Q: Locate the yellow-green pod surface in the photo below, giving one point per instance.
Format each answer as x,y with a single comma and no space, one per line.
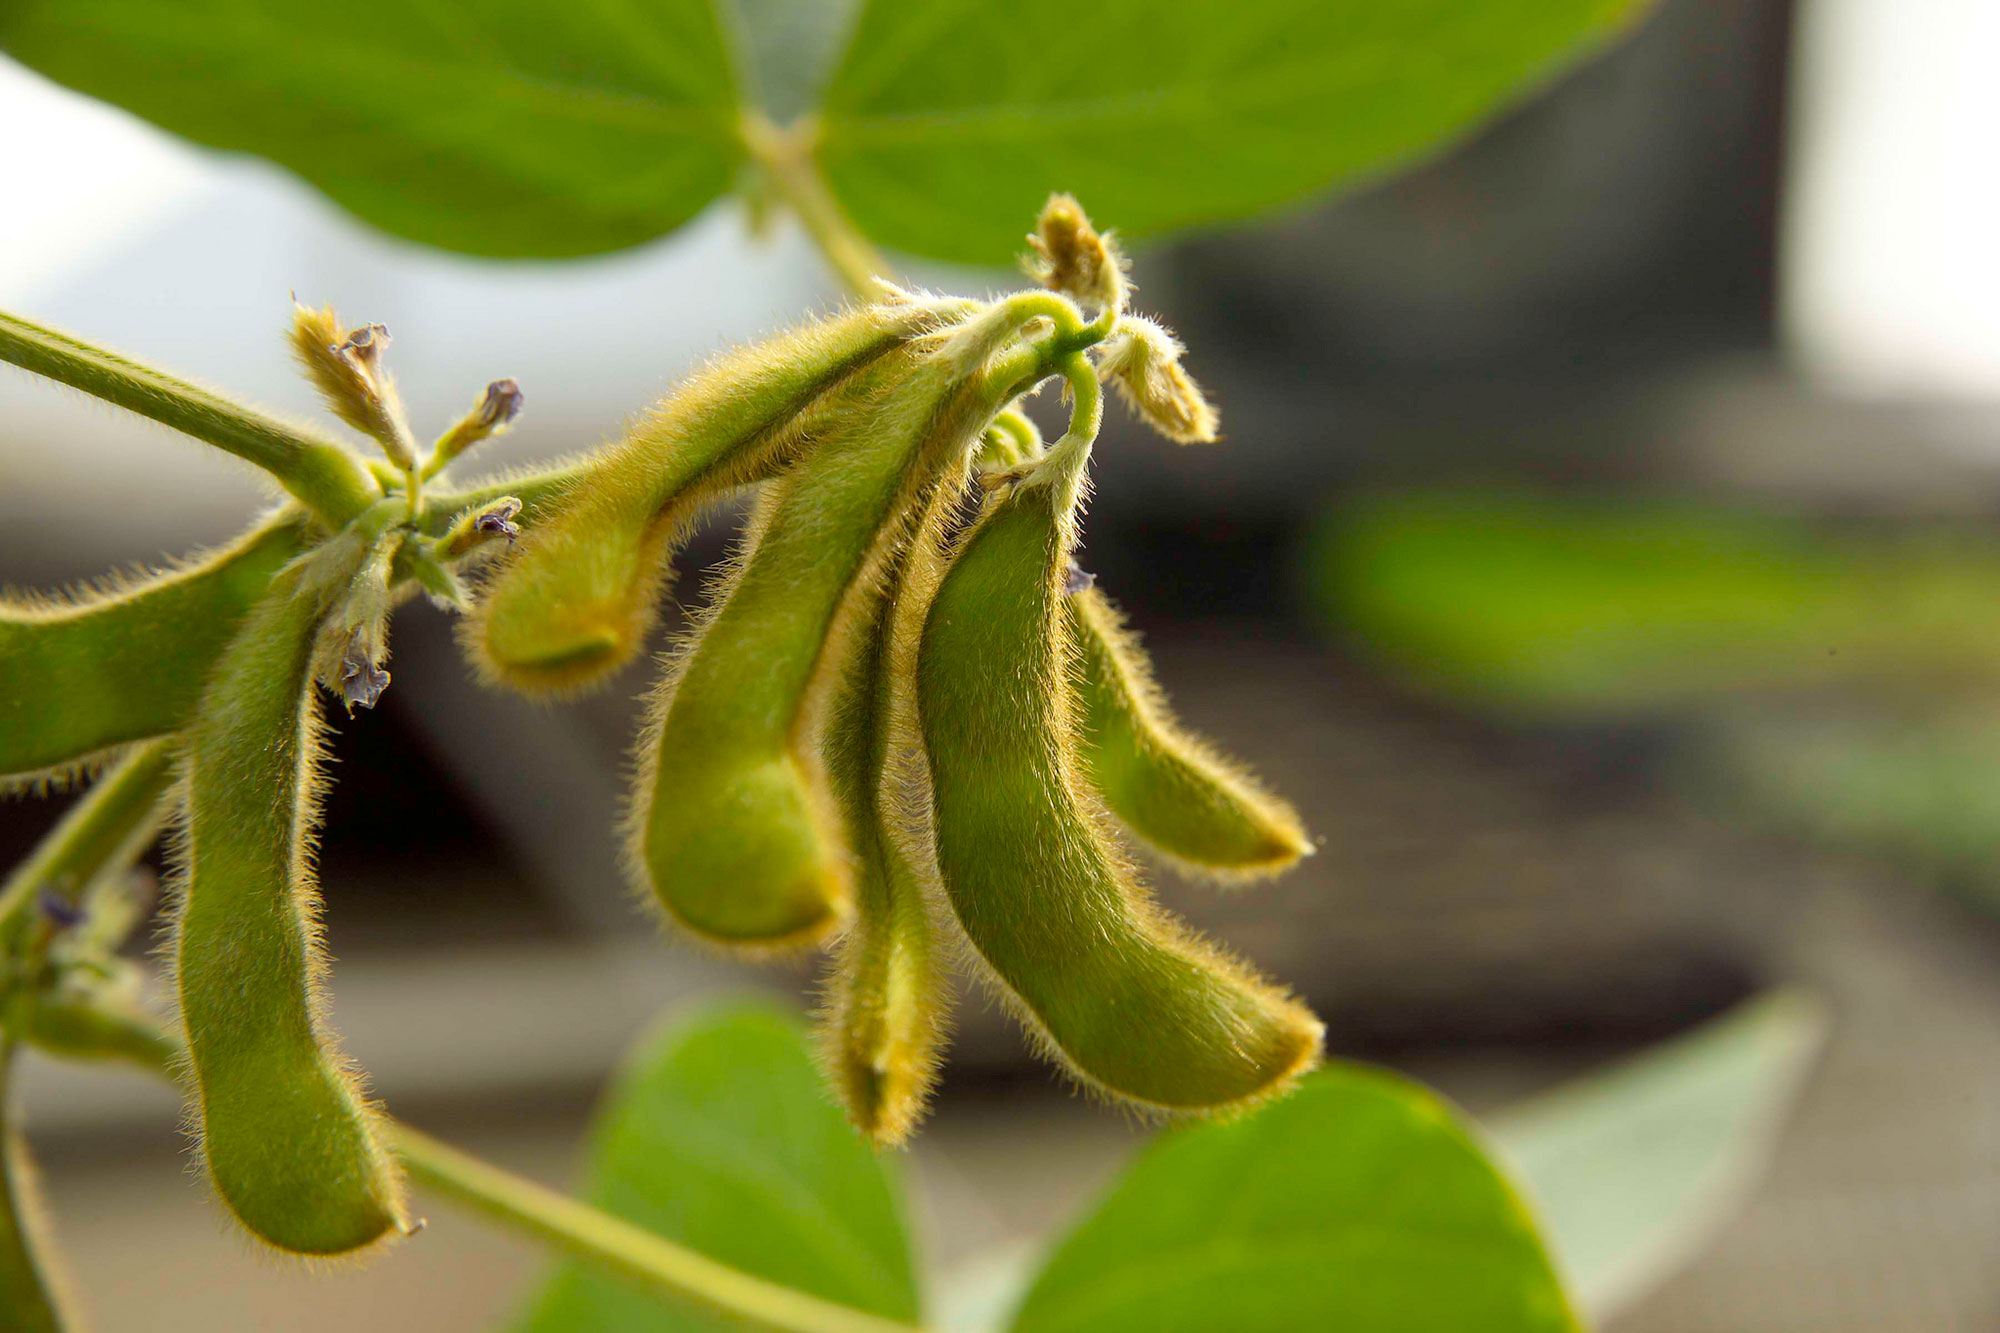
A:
732,825
883,1031
574,600
80,675
34,1294
1166,786
286,1134
1125,996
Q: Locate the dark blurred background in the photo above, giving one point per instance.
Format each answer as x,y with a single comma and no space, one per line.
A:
1600,554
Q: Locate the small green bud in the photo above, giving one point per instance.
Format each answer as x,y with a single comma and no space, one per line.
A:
481,526
353,641
421,560
492,416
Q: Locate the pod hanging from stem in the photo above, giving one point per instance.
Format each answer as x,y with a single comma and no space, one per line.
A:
286,1133
1123,996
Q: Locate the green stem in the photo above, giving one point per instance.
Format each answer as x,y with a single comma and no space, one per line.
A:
787,157
27,1295
116,818
535,490
1064,463
610,1242
576,1228
326,478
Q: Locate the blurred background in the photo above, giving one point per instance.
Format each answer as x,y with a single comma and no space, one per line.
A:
1601,555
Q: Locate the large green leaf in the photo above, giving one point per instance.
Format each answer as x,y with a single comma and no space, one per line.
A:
1360,1202
1632,1169
1567,604
500,127
721,1136
950,121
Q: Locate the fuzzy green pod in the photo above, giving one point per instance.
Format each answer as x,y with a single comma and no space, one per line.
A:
34,1293
101,1019
732,825
1126,998
126,660
98,837
883,1029
575,599
1170,789
288,1139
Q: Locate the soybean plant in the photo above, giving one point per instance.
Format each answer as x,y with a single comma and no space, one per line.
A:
906,724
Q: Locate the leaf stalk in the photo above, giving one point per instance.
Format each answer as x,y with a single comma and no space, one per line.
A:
327,478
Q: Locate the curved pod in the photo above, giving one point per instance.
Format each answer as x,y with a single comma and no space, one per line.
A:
732,824
885,1023
575,599
1123,995
1166,786
286,1134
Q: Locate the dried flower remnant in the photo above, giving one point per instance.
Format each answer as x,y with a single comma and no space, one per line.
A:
1070,256
1143,362
491,416
346,366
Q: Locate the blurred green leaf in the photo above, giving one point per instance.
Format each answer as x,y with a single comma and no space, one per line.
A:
1632,1169
720,1135
496,127
1924,790
1583,605
1360,1202
951,121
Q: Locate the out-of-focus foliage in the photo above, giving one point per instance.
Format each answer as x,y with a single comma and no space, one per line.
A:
1921,790
1361,1201
949,119
504,128
1565,606
497,127
720,1136
1633,1167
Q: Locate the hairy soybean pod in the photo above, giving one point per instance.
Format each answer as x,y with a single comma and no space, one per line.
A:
287,1137
126,661
732,825
884,1026
1125,996
34,1294
575,599
1171,790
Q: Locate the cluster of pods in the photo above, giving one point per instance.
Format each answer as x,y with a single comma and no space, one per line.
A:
906,719
906,722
